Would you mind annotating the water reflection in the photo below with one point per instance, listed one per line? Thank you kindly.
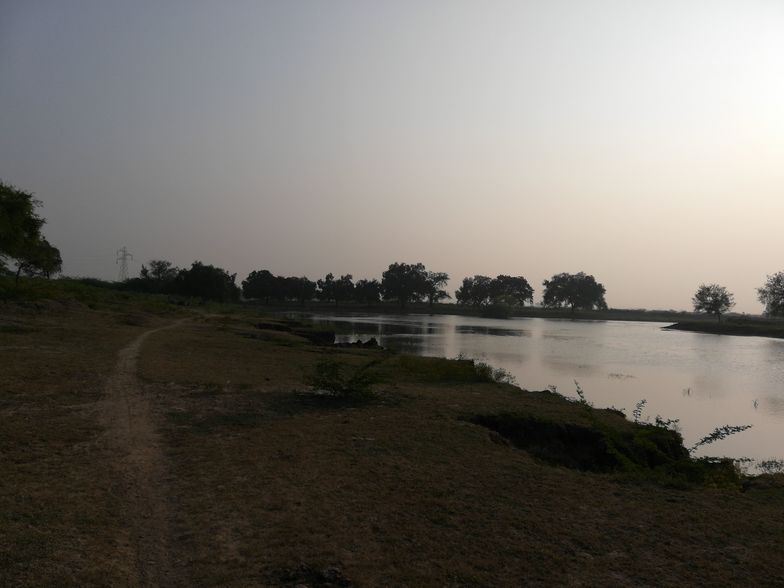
(704, 380)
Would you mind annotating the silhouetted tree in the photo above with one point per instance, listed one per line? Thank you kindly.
(573, 290)
(208, 282)
(343, 288)
(367, 291)
(476, 291)
(158, 277)
(260, 284)
(20, 235)
(300, 289)
(40, 259)
(435, 282)
(713, 299)
(772, 295)
(326, 288)
(404, 282)
(511, 290)
(483, 291)
(20, 226)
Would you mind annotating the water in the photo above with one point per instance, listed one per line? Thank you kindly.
(704, 380)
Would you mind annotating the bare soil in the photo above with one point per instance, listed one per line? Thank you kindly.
(132, 436)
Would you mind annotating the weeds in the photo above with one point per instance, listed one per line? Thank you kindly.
(637, 412)
(488, 373)
(339, 381)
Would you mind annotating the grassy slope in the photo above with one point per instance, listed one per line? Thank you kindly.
(269, 486)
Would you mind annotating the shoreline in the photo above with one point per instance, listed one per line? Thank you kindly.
(771, 330)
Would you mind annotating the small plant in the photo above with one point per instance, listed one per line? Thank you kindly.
(487, 373)
(637, 412)
(718, 434)
(335, 379)
(581, 395)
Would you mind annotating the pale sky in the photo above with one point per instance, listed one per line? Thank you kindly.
(641, 142)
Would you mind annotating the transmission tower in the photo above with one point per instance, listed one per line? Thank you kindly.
(122, 258)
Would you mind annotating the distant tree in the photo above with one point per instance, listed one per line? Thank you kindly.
(326, 288)
(207, 282)
(404, 282)
(476, 291)
(367, 291)
(573, 290)
(300, 289)
(772, 295)
(434, 287)
(158, 277)
(260, 284)
(511, 290)
(713, 299)
(40, 259)
(160, 271)
(343, 289)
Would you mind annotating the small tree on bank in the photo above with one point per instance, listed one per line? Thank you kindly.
(772, 295)
(713, 299)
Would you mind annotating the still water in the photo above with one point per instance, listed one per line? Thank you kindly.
(704, 380)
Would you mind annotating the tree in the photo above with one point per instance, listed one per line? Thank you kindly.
(20, 235)
(259, 284)
(300, 289)
(159, 277)
(40, 259)
(326, 288)
(20, 226)
(475, 291)
(713, 299)
(483, 291)
(511, 290)
(367, 291)
(772, 295)
(404, 282)
(435, 281)
(343, 288)
(208, 282)
(573, 290)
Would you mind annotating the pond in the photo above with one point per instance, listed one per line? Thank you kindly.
(703, 380)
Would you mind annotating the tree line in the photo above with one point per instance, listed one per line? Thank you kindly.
(23, 245)
(404, 283)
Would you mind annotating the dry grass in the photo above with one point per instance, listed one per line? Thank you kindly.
(269, 485)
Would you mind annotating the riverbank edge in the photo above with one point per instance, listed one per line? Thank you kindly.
(773, 331)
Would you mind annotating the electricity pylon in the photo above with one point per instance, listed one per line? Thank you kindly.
(122, 258)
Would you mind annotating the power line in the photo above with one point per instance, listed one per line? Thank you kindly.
(123, 255)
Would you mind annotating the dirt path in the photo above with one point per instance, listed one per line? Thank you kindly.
(134, 442)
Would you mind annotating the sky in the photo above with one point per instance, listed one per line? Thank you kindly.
(640, 142)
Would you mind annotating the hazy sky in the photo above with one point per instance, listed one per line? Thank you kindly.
(639, 141)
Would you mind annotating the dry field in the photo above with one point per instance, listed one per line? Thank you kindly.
(197, 454)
